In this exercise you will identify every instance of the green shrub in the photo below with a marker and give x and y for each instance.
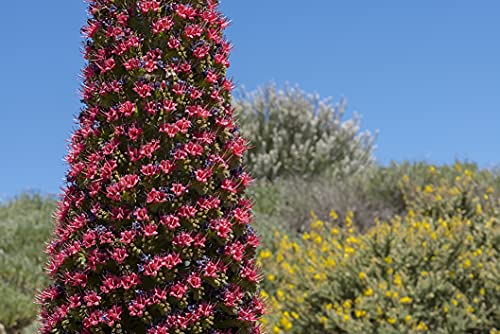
(24, 227)
(294, 133)
(430, 271)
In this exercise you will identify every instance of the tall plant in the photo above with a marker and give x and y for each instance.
(153, 230)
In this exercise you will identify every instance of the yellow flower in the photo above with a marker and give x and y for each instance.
(334, 215)
(368, 292)
(360, 313)
(276, 330)
(422, 327)
(347, 304)
(392, 321)
(362, 275)
(388, 260)
(428, 189)
(271, 277)
(408, 318)
(285, 322)
(265, 254)
(397, 280)
(317, 224)
(405, 300)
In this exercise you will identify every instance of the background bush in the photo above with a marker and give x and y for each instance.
(432, 271)
(25, 224)
(295, 133)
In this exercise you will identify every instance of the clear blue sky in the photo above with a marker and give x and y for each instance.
(425, 73)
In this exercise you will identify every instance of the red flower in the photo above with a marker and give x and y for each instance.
(186, 12)
(178, 189)
(127, 237)
(130, 281)
(151, 5)
(127, 108)
(119, 254)
(178, 290)
(129, 181)
(222, 226)
(173, 43)
(74, 301)
(236, 250)
(92, 299)
(169, 105)
(202, 175)
(132, 64)
(192, 31)
(142, 89)
(162, 24)
(170, 129)
(167, 166)
(194, 280)
(149, 170)
(141, 214)
(170, 221)
(183, 239)
(155, 196)
(201, 51)
(150, 230)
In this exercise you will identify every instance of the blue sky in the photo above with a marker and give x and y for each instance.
(425, 73)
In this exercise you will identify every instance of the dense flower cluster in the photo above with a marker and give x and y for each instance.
(153, 230)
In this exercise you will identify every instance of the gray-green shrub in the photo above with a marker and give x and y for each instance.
(295, 133)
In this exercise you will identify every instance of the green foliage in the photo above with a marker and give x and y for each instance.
(24, 227)
(294, 133)
(434, 270)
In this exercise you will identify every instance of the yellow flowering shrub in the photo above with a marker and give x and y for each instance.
(436, 269)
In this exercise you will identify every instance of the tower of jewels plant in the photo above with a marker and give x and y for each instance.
(153, 229)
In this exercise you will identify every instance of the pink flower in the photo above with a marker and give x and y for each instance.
(236, 250)
(149, 170)
(127, 108)
(162, 24)
(127, 237)
(119, 254)
(141, 214)
(170, 129)
(192, 31)
(132, 64)
(167, 166)
(169, 105)
(194, 280)
(194, 149)
(142, 89)
(178, 290)
(170, 221)
(74, 301)
(130, 281)
(92, 299)
(134, 132)
(178, 189)
(202, 175)
(186, 12)
(201, 51)
(151, 5)
(171, 260)
(173, 43)
(150, 230)
(222, 226)
(129, 181)
(155, 196)
(183, 239)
